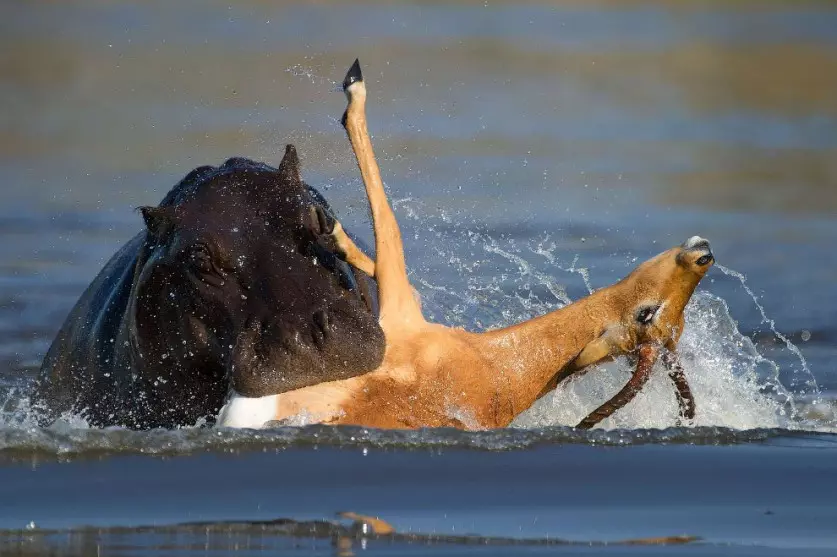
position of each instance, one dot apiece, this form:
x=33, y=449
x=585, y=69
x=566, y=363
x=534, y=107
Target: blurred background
x=559, y=140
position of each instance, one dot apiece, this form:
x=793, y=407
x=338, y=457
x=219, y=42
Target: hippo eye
x=201, y=259
x=704, y=260
x=646, y=315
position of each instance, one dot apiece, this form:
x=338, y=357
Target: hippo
x=227, y=289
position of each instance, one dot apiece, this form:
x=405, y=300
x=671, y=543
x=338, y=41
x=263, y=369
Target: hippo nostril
x=320, y=328
x=321, y=321
x=317, y=335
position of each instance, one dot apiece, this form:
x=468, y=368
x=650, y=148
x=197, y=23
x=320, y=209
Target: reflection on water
x=280, y=536
x=733, y=497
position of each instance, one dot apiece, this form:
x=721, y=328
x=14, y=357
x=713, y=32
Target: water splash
x=734, y=386
x=301, y=71
x=548, y=254
x=810, y=380
x=17, y=412
x=526, y=269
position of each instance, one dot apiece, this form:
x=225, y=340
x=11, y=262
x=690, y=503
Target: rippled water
x=532, y=151
x=67, y=444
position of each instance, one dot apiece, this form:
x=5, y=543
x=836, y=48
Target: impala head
x=659, y=289
x=646, y=307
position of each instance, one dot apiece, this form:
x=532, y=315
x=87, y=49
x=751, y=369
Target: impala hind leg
x=398, y=304
x=329, y=233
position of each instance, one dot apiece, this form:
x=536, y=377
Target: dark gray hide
x=226, y=287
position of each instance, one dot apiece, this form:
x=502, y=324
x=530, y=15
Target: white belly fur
x=253, y=413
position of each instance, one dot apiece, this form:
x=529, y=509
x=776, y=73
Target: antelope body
x=438, y=376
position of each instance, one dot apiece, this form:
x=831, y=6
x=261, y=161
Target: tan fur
x=437, y=376
x=376, y=525
x=350, y=252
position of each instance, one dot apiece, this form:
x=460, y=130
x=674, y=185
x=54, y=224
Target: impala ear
x=595, y=351
x=603, y=348
x=158, y=220
x=289, y=168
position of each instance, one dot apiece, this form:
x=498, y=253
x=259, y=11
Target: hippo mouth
x=272, y=357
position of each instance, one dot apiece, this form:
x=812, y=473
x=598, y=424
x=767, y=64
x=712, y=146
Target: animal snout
x=699, y=246
x=697, y=243
x=262, y=335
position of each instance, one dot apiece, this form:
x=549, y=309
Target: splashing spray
x=811, y=381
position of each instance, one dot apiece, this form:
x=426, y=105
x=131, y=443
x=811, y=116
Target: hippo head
x=233, y=289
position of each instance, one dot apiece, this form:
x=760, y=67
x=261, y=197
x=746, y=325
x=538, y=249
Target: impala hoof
x=354, y=75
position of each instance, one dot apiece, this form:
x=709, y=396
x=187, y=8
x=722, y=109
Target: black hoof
x=353, y=75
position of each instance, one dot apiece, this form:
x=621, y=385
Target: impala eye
x=704, y=260
x=646, y=315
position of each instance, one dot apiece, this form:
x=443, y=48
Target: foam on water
x=61, y=442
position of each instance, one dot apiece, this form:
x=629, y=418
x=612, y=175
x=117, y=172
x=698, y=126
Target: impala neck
x=532, y=352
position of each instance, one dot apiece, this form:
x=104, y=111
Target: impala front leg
x=685, y=399
x=647, y=357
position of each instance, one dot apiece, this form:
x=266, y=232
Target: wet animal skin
x=226, y=288
x=437, y=376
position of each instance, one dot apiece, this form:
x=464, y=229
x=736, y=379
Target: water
x=533, y=153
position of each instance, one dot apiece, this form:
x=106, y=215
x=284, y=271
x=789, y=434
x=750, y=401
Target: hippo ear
x=289, y=167
x=158, y=220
